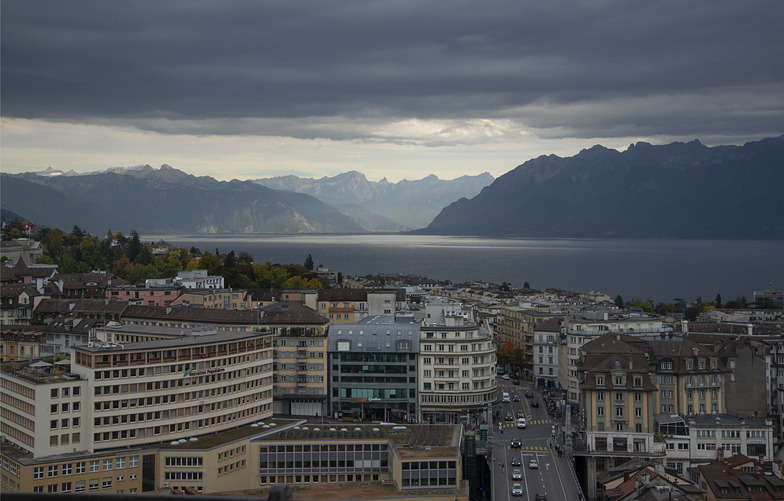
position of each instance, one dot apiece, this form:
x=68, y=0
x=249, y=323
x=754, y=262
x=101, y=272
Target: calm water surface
x=657, y=269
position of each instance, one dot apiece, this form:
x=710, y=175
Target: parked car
x=517, y=489
x=521, y=423
x=516, y=461
x=517, y=443
x=517, y=474
x=533, y=464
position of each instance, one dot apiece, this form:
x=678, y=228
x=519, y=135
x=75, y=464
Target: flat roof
x=179, y=342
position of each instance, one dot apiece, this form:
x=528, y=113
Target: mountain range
x=381, y=205
x=679, y=190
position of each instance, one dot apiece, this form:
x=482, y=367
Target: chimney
x=761, y=459
x=720, y=454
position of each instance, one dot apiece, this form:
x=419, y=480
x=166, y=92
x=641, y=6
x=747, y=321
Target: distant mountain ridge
x=405, y=204
x=679, y=190
x=166, y=200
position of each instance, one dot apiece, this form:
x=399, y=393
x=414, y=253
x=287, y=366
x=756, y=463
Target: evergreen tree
x=619, y=301
x=309, y=263
x=718, y=300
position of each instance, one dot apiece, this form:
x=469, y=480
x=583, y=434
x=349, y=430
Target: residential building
x=348, y=306
x=17, y=302
x=457, y=367
x=373, y=369
x=547, y=333
x=224, y=299
x=589, y=324
x=740, y=477
x=618, y=399
x=83, y=285
x=20, y=343
x=151, y=296
x=694, y=440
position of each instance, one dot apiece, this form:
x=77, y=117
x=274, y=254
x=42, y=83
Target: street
x=552, y=476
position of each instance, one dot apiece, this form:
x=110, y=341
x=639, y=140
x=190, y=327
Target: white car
x=517, y=490
x=517, y=474
x=505, y=397
x=521, y=423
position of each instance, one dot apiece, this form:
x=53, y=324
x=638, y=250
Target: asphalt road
x=554, y=477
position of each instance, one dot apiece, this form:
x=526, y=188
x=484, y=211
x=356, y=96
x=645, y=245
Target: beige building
x=457, y=369
x=128, y=396
x=225, y=299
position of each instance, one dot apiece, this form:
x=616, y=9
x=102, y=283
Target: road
x=554, y=477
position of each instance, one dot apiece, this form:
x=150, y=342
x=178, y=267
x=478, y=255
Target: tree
x=526, y=286
x=717, y=301
x=619, y=301
x=229, y=261
x=78, y=232
x=309, y=263
x=210, y=262
x=134, y=246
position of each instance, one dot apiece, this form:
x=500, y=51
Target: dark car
x=517, y=443
x=516, y=461
x=534, y=403
x=516, y=382
x=541, y=497
x=509, y=416
x=520, y=413
x=516, y=398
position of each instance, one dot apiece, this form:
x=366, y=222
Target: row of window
x=79, y=467
x=80, y=485
x=65, y=391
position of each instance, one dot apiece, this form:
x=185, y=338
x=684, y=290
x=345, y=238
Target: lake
x=656, y=269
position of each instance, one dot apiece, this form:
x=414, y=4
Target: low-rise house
x=226, y=299
x=740, y=477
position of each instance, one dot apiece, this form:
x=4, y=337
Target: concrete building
x=588, y=325
x=457, y=367
x=117, y=399
x=150, y=296
x=373, y=369
x=618, y=399
x=694, y=440
x=545, y=359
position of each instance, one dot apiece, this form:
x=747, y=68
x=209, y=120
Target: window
x=107, y=464
x=600, y=411
x=619, y=411
x=618, y=380
x=94, y=466
x=107, y=482
x=38, y=472
x=79, y=486
x=53, y=470
x=66, y=487
x=619, y=397
x=599, y=380
x=80, y=467
x=67, y=469
x=120, y=464
x=600, y=396
x=638, y=412
x=93, y=484
x=133, y=461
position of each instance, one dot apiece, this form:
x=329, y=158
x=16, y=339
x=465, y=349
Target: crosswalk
x=512, y=424
x=530, y=448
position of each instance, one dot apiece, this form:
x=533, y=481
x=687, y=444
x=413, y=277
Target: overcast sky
x=397, y=89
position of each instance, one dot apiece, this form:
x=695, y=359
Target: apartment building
x=547, y=333
x=619, y=403
x=152, y=296
x=348, y=306
x=696, y=439
x=224, y=299
x=590, y=324
x=457, y=367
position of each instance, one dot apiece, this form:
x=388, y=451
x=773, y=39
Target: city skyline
x=243, y=90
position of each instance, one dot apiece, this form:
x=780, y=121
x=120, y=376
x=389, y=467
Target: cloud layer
x=407, y=74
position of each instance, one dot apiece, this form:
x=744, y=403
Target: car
x=520, y=413
x=529, y=394
x=516, y=382
x=505, y=397
x=516, y=398
x=534, y=403
x=521, y=423
x=517, y=474
x=516, y=461
x=517, y=489
x=541, y=496
x=533, y=464
x=517, y=443
x=509, y=416
x=506, y=377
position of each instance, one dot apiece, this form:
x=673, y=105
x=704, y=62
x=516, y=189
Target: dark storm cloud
x=577, y=69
